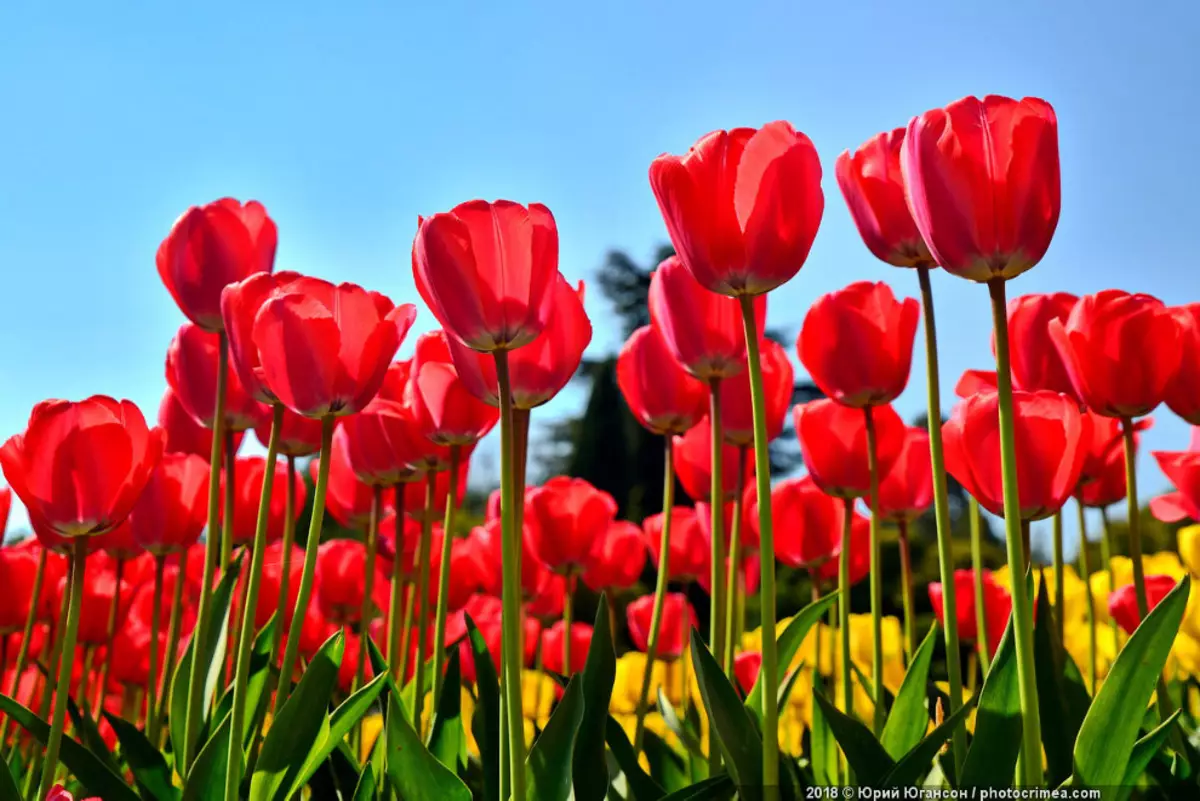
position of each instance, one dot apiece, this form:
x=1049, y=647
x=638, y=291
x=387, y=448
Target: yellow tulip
x=1189, y=547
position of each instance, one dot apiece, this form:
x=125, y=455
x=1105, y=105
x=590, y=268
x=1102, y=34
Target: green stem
x=941, y=505
x=876, y=573
x=160, y=566
x=114, y=611
x=566, y=617
x=660, y=591
x=79, y=550
x=735, y=565
x=844, y=620
x=56, y=637
x=39, y=578
x=422, y=598
x=85, y=703
x=289, y=538
x=1131, y=505
x=511, y=601
x=227, y=552
x=1085, y=572
x=1031, y=724
x=164, y=693
x=906, y=580
x=195, y=700
x=366, y=613
x=311, y=543
x=1060, y=590
x=393, y=639
x=1106, y=555
x=443, y=598
x=716, y=627
x=981, y=632
x=241, y=676
x=405, y=641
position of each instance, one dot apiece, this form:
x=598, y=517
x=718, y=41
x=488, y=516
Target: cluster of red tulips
x=110, y=602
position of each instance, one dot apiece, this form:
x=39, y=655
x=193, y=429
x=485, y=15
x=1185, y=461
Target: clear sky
x=349, y=119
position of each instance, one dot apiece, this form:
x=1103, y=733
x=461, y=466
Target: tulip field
x=328, y=622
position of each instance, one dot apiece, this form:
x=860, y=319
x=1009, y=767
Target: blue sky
x=348, y=120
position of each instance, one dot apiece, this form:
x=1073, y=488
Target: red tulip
x=465, y=580
x=248, y=476
x=192, y=373
x=833, y=442
x=675, y=627
x=1035, y=362
x=553, y=647
x=1182, y=468
x=298, y=436
x=742, y=206
x=982, y=183
x=210, y=247
x=548, y=598
x=737, y=413
x=271, y=586
x=1107, y=486
x=569, y=517
x=347, y=498
x=182, y=433
x=872, y=183
x=868, y=319
x=99, y=589
x=348, y=669
x=340, y=580
x=539, y=370
x=383, y=442
x=56, y=568
x=746, y=666
x=906, y=491
x=441, y=492
x=80, y=467
x=663, y=396
x=1052, y=440
x=860, y=551
x=748, y=575
x=1121, y=352
x=997, y=606
x=688, y=554
x=119, y=543
x=131, y=655
x=60, y=793
x=692, y=456
x=17, y=569
x=617, y=559
x=809, y=523
x=446, y=410
x=486, y=545
x=143, y=600
x=406, y=549
x=5, y=506
x=346, y=335
x=485, y=612
x=1183, y=391
x=1122, y=603
x=973, y=382
x=487, y=271
x=702, y=330
x=172, y=510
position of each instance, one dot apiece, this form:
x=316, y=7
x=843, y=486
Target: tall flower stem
x=844, y=619
x=716, y=625
x=79, y=549
x=229, y=504
x=1031, y=724
x=1106, y=556
x=56, y=650
x=422, y=597
x=289, y=538
x=366, y=613
x=910, y=629
x=566, y=618
x=511, y=594
x=114, y=612
x=245, y=643
x=876, y=573
x=443, y=597
x=941, y=506
x=39, y=578
x=394, y=640
x=160, y=566
x=311, y=543
x=1060, y=589
x=735, y=566
x=1085, y=573
x=981, y=633
x=1135, y=528
x=154, y=724
x=195, y=699
x=660, y=591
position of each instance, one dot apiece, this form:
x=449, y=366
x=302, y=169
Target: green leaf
x=908, y=719
x=416, y=774
x=679, y=727
x=485, y=724
x=149, y=767
x=1107, y=735
x=589, y=767
x=788, y=683
x=256, y=685
x=8, y=784
x=333, y=736
x=206, y=777
x=447, y=740
x=1062, y=702
x=640, y=784
x=992, y=758
x=549, y=761
x=365, y=789
x=1144, y=751
x=788, y=643
x=735, y=730
x=97, y=777
x=866, y=756
x=919, y=761
x=707, y=790
x=303, y=719
x=822, y=745
x=666, y=765
x=89, y=735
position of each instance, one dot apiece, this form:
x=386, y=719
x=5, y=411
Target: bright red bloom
x=347, y=497
x=271, y=585
x=80, y=467
x=348, y=669
x=388, y=549
x=808, y=523
x=872, y=183
x=1183, y=392
x=383, y=442
x=675, y=627
x=742, y=206
x=5, y=507
x=465, y=580
x=172, y=510
x=59, y=793
x=617, y=560
x=1122, y=603
x=56, y=568
x=664, y=397
x=1182, y=468
x=487, y=548
x=445, y=408
x=539, y=370
x=692, y=456
x=119, y=543
x=142, y=601
x=17, y=569
x=996, y=600
x=688, y=554
x=982, y=183
x=485, y=611
x=318, y=348
x=341, y=578
x=972, y=382
x=749, y=572
x=181, y=431
x=487, y=271
x=298, y=436
x=864, y=318
x=248, y=476
x=210, y=247
x=548, y=599
x=99, y=589
x=833, y=442
x=1121, y=352
x=553, y=651
x=702, y=330
x=192, y=373
x=569, y=517
x=131, y=654
x=906, y=491
x=746, y=666
x=737, y=412
x=1035, y=362
x=1052, y=441
x=441, y=491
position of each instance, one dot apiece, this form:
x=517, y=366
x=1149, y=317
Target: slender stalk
x=981, y=632
x=1060, y=589
x=1106, y=554
x=1135, y=529
x=1031, y=724
x=195, y=700
x=422, y=598
x=57, y=634
x=660, y=591
x=443, y=598
x=405, y=641
x=566, y=617
x=941, y=505
x=114, y=611
x=85, y=703
x=393, y=639
x=1026, y=547
x=164, y=697
x=366, y=613
x=716, y=626
x=510, y=566
x=241, y=676
x=876, y=573
x=289, y=538
x=909, y=593
x=79, y=549
x=1085, y=573
x=311, y=543
x=844, y=619
x=39, y=578
x=160, y=565
x=230, y=502
x=735, y=565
